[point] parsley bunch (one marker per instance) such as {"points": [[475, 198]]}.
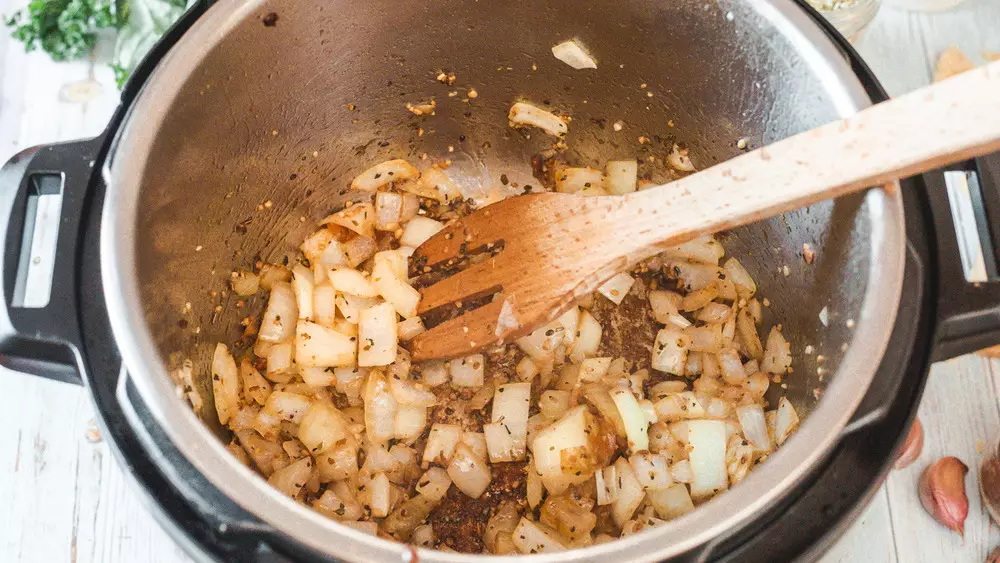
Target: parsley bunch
{"points": [[65, 29]]}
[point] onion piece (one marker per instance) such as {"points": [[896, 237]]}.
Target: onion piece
{"points": [[707, 442], [278, 323], [396, 291], [651, 470], [469, 472], [280, 406], [359, 217], [704, 250], [754, 427], [433, 184], [434, 483], [380, 408], [441, 443], [255, 386], [352, 282], [636, 423], [510, 410], [359, 249], [377, 340], [567, 433], [714, 313], [534, 537], [317, 345], [617, 288], [433, 373], [409, 422], [370, 528], [606, 482], [384, 173], [746, 333], [630, 493], [418, 230], [620, 176], [280, 360], [670, 351], [573, 54], [678, 159], [467, 371], [692, 277], [524, 114], [244, 283], [777, 356], [323, 427], [732, 367], [593, 369], [332, 506], [407, 329], [324, 308], [785, 421], [541, 344], [378, 492], [573, 180], [588, 337], [271, 274], [290, 480], [388, 208], [335, 254], [745, 286], [665, 308], [679, 406], [225, 383], [315, 244], [411, 393], [671, 502]]}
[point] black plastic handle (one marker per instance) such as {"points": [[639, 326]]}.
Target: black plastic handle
{"points": [[43, 340], [968, 312]]}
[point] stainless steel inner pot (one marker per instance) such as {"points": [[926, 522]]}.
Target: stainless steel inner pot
{"points": [[252, 107]]}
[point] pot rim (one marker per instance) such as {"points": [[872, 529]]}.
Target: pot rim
{"points": [[712, 519]]}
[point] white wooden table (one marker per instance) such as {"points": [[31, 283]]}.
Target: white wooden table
{"points": [[63, 498]]}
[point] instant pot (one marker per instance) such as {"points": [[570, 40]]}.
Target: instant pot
{"points": [[248, 119]]}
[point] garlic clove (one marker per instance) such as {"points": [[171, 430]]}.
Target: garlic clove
{"points": [[942, 492], [912, 447], [994, 556], [989, 484]]}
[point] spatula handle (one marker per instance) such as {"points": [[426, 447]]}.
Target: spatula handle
{"points": [[947, 122]]}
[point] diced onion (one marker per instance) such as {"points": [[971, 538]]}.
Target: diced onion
{"points": [[468, 371], [630, 493], [705, 250], [359, 249], [620, 176], [777, 357], [316, 243], [378, 489], [679, 406], [278, 323], [255, 386], [651, 470], [636, 423], [380, 408], [678, 159], [732, 367], [524, 114], [665, 308], [290, 480], [324, 305], [377, 339], [359, 218], [410, 421], [225, 383], [671, 502], [707, 442], [409, 328], [469, 472], [352, 282], [433, 184], [271, 274], [418, 230], [588, 337], [593, 369], [617, 288], [571, 53], [568, 432], [573, 180], [434, 483], [534, 537], [323, 427], [384, 173], [317, 345], [411, 393], [244, 283], [434, 373], [670, 351], [745, 285], [606, 482], [279, 362], [441, 443], [396, 291], [785, 421], [692, 277]]}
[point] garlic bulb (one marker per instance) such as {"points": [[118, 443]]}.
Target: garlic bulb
{"points": [[942, 492]]}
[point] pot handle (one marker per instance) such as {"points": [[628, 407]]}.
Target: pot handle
{"points": [[965, 204], [43, 193]]}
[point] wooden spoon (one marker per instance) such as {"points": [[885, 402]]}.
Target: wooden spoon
{"points": [[550, 249]]}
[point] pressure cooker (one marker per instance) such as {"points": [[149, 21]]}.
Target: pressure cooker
{"points": [[247, 102]]}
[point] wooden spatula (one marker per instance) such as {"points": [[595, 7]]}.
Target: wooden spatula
{"points": [[545, 251]]}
